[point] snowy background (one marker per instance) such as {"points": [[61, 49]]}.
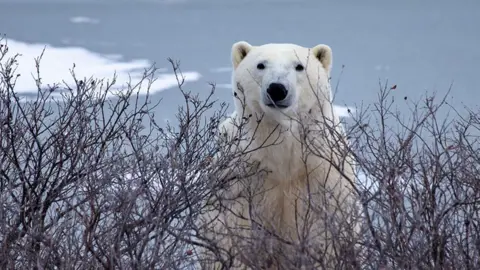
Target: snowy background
{"points": [[418, 45]]}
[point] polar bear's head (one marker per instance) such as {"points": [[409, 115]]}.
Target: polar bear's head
{"points": [[284, 78]]}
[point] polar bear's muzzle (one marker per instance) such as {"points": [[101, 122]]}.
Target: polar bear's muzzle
{"points": [[277, 96]]}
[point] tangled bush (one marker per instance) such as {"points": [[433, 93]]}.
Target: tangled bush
{"points": [[88, 179]]}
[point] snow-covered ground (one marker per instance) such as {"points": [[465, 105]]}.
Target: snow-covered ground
{"points": [[57, 62]]}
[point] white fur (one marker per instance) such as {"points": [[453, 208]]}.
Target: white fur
{"points": [[290, 175]]}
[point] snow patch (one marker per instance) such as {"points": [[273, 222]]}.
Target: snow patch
{"points": [[84, 19], [57, 62]]}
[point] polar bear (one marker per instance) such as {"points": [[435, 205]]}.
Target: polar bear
{"points": [[283, 124]]}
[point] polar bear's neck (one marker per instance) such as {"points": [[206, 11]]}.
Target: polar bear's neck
{"points": [[283, 145], [267, 130], [276, 145]]}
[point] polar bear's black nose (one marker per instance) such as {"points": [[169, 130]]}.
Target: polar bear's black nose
{"points": [[277, 92]]}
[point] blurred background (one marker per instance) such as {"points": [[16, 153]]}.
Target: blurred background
{"points": [[417, 45]]}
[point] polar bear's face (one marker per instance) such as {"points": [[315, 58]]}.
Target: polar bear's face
{"points": [[283, 78]]}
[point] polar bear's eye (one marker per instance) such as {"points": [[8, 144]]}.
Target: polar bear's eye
{"points": [[299, 67], [261, 66]]}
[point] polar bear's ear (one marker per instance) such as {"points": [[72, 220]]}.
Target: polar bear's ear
{"points": [[324, 54], [239, 52]]}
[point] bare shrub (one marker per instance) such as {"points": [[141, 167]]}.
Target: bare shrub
{"points": [[423, 196], [90, 180], [416, 185]]}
